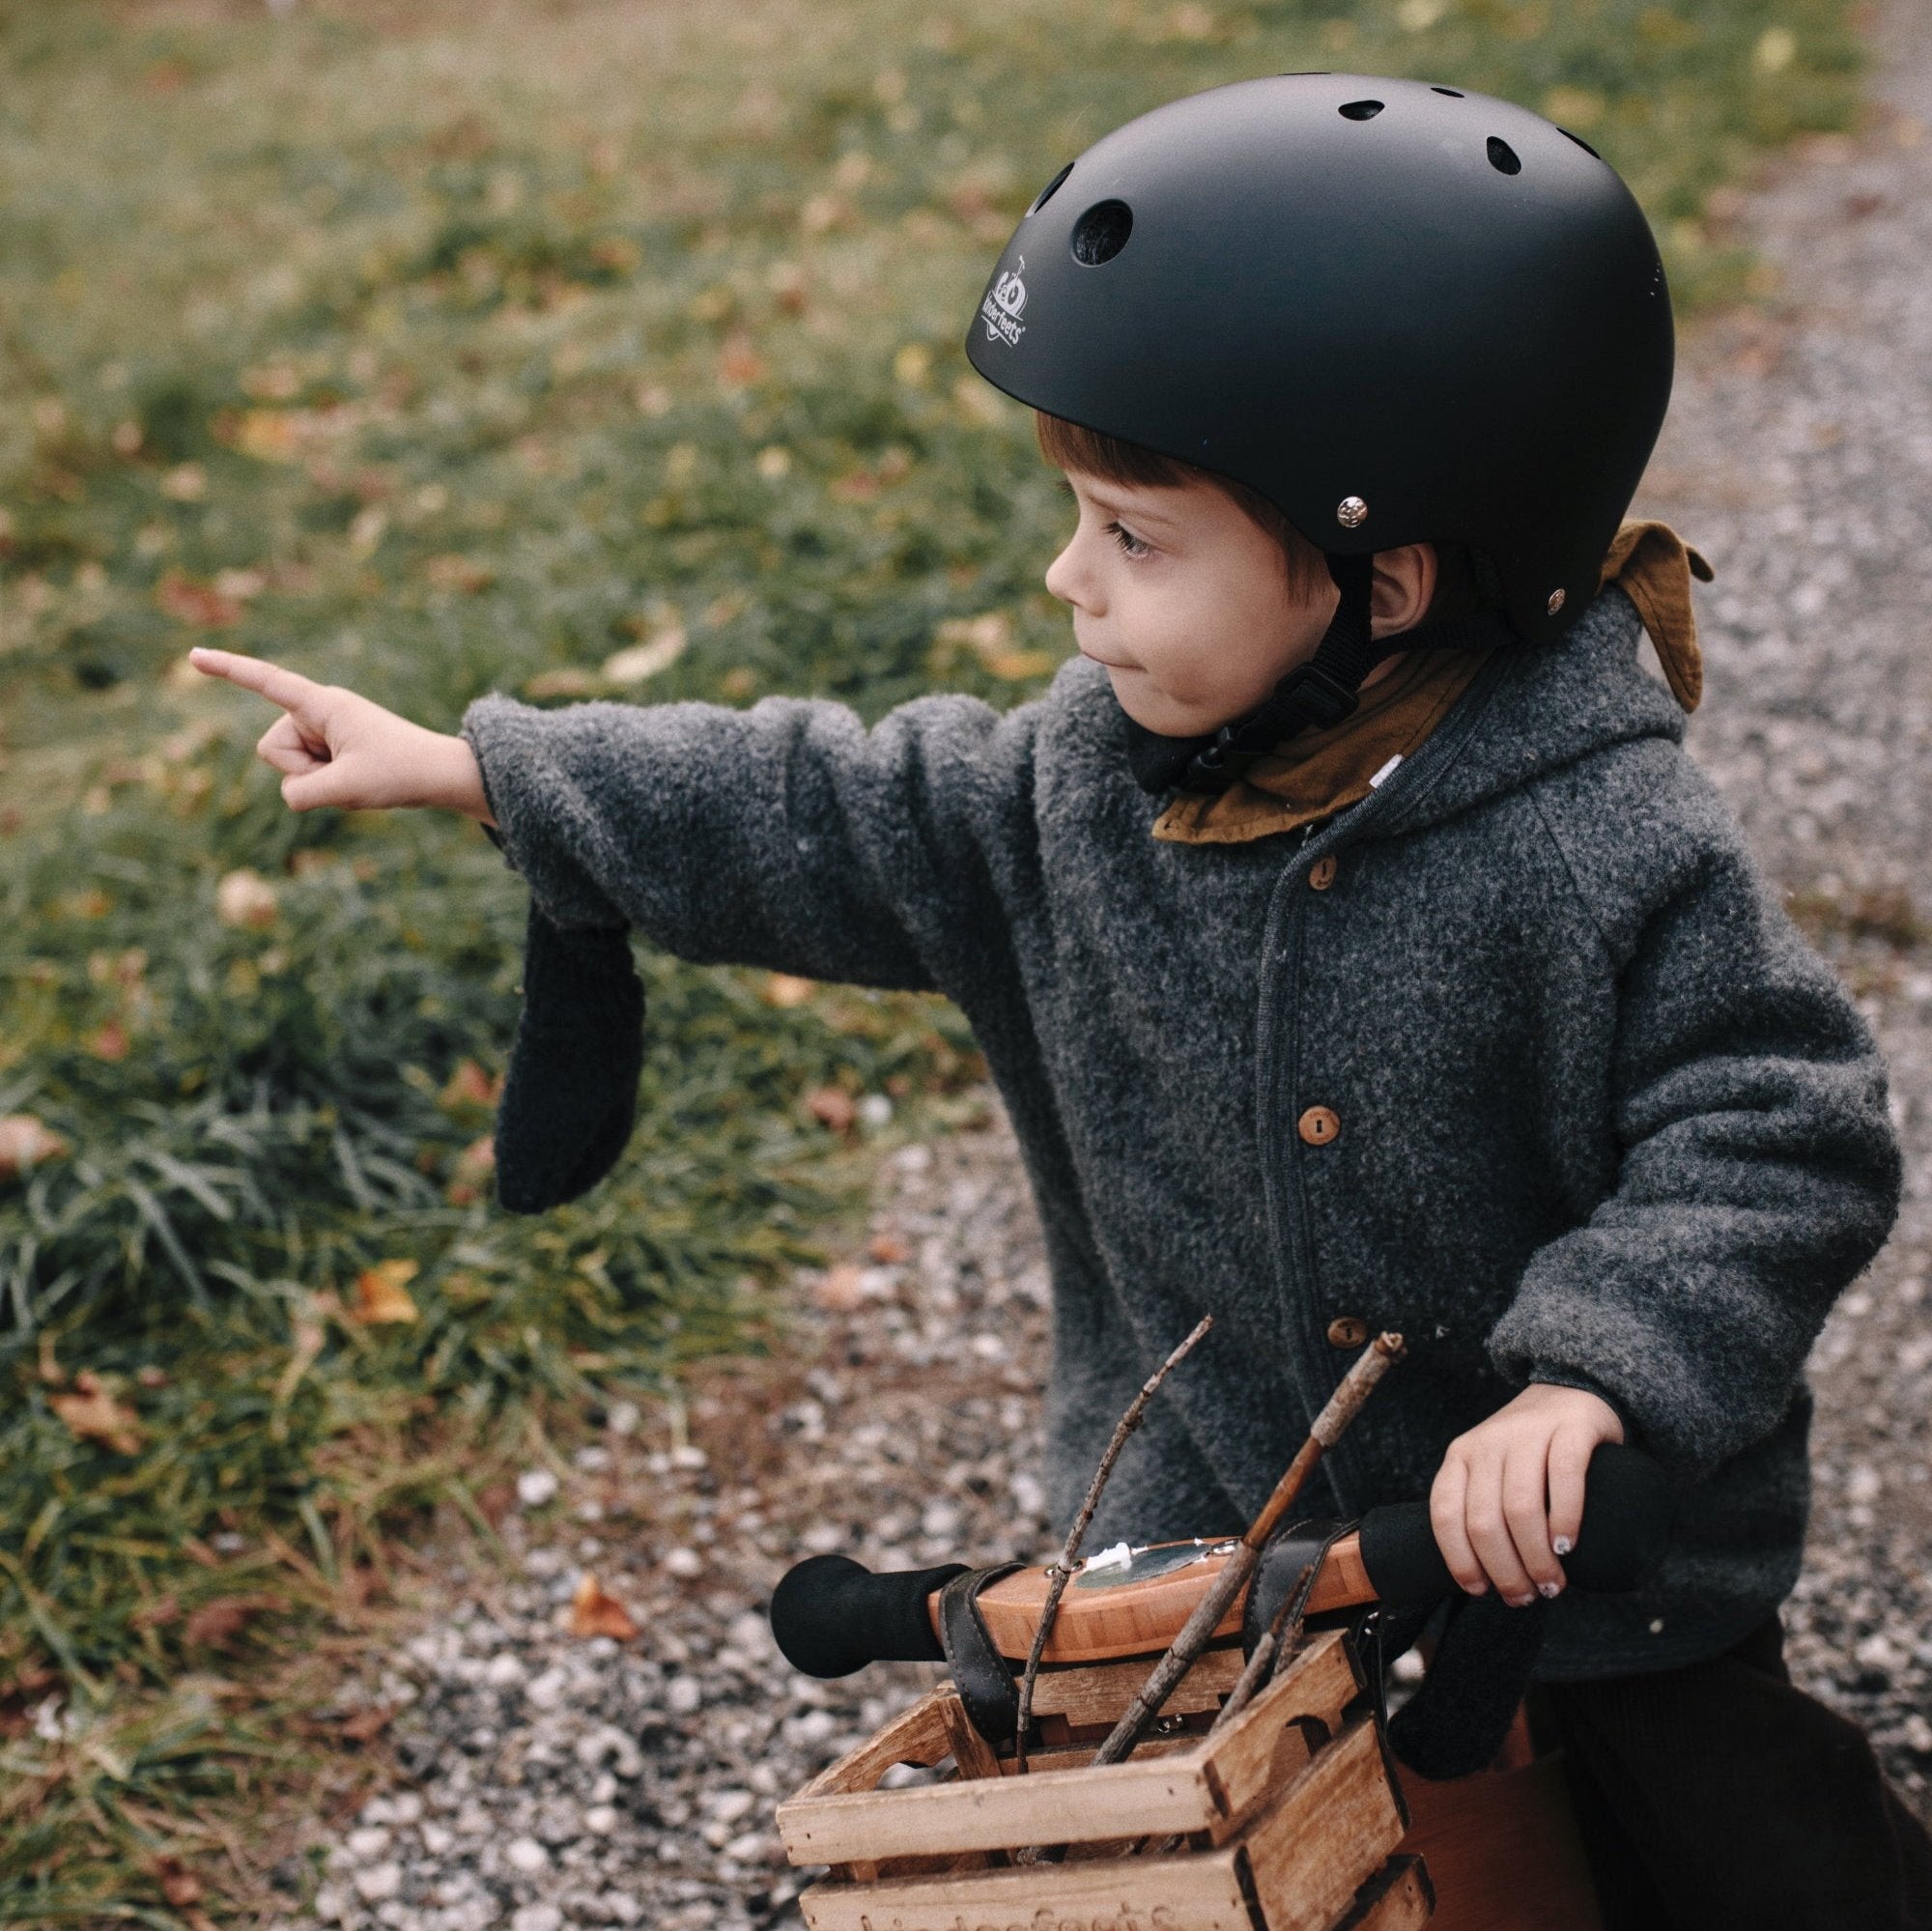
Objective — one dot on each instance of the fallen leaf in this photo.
(595, 1613)
(26, 1141)
(110, 1043)
(464, 574)
(832, 1106)
(1014, 664)
(469, 1086)
(220, 1621)
(888, 1250)
(365, 1725)
(785, 991)
(641, 661)
(98, 1416)
(201, 605)
(179, 1884)
(382, 1293)
(246, 901)
(842, 1290)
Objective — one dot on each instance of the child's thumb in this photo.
(312, 788)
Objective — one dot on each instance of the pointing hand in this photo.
(334, 747)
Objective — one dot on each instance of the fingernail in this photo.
(1480, 1589)
(1563, 1545)
(1547, 1589)
(1521, 1602)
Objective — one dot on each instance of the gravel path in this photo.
(552, 1780)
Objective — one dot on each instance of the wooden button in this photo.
(1319, 1125)
(1321, 874)
(1348, 1330)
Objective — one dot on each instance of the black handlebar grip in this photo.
(1628, 1510)
(831, 1615)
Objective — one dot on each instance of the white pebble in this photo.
(537, 1918)
(726, 1807)
(526, 1855)
(876, 1110)
(367, 1843)
(504, 1671)
(749, 1849)
(600, 1820)
(377, 1881)
(684, 1564)
(684, 1696)
(437, 1838)
(624, 1418)
(536, 1487)
(547, 1690)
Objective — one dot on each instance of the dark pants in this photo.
(1721, 1796)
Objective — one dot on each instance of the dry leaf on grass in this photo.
(842, 1290)
(468, 1085)
(95, 1415)
(26, 1141)
(220, 1621)
(246, 901)
(179, 1884)
(833, 1107)
(784, 990)
(382, 1293)
(595, 1613)
(364, 1725)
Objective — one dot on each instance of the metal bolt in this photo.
(1352, 512)
(1556, 603)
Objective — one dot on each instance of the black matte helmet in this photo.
(1401, 313)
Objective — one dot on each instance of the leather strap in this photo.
(1289, 1561)
(981, 1675)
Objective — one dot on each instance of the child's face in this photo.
(1188, 603)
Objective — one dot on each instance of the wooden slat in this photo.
(1204, 1784)
(1502, 1847)
(1092, 1693)
(1327, 1832)
(922, 1735)
(1140, 1798)
(1261, 1749)
(1398, 1898)
(1189, 1893)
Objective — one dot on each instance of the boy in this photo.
(1351, 939)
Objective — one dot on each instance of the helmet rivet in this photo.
(1352, 512)
(1556, 603)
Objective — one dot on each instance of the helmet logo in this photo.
(1003, 307)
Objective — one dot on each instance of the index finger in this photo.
(287, 688)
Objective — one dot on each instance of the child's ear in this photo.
(1403, 586)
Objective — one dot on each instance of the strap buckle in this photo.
(1321, 696)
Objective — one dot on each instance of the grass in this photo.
(566, 349)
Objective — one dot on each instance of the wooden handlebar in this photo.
(1137, 1617)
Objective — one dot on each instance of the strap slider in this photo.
(1322, 698)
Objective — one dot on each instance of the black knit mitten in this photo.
(571, 1094)
(1455, 1724)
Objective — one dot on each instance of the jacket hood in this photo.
(1535, 709)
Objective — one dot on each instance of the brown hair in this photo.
(1090, 452)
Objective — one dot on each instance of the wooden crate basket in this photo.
(1284, 1820)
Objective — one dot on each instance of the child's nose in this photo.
(1066, 580)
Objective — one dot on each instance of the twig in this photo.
(1341, 1408)
(1060, 1573)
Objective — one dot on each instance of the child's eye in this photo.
(1130, 543)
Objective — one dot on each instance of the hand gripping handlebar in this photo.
(832, 1616)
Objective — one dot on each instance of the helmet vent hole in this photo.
(1502, 158)
(1360, 110)
(1101, 233)
(1453, 93)
(1052, 189)
(1581, 143)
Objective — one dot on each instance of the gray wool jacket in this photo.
(1604, 1119)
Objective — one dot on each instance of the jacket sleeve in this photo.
(1757, 1172)
(787, 835)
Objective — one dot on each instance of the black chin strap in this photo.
(1320, 691)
